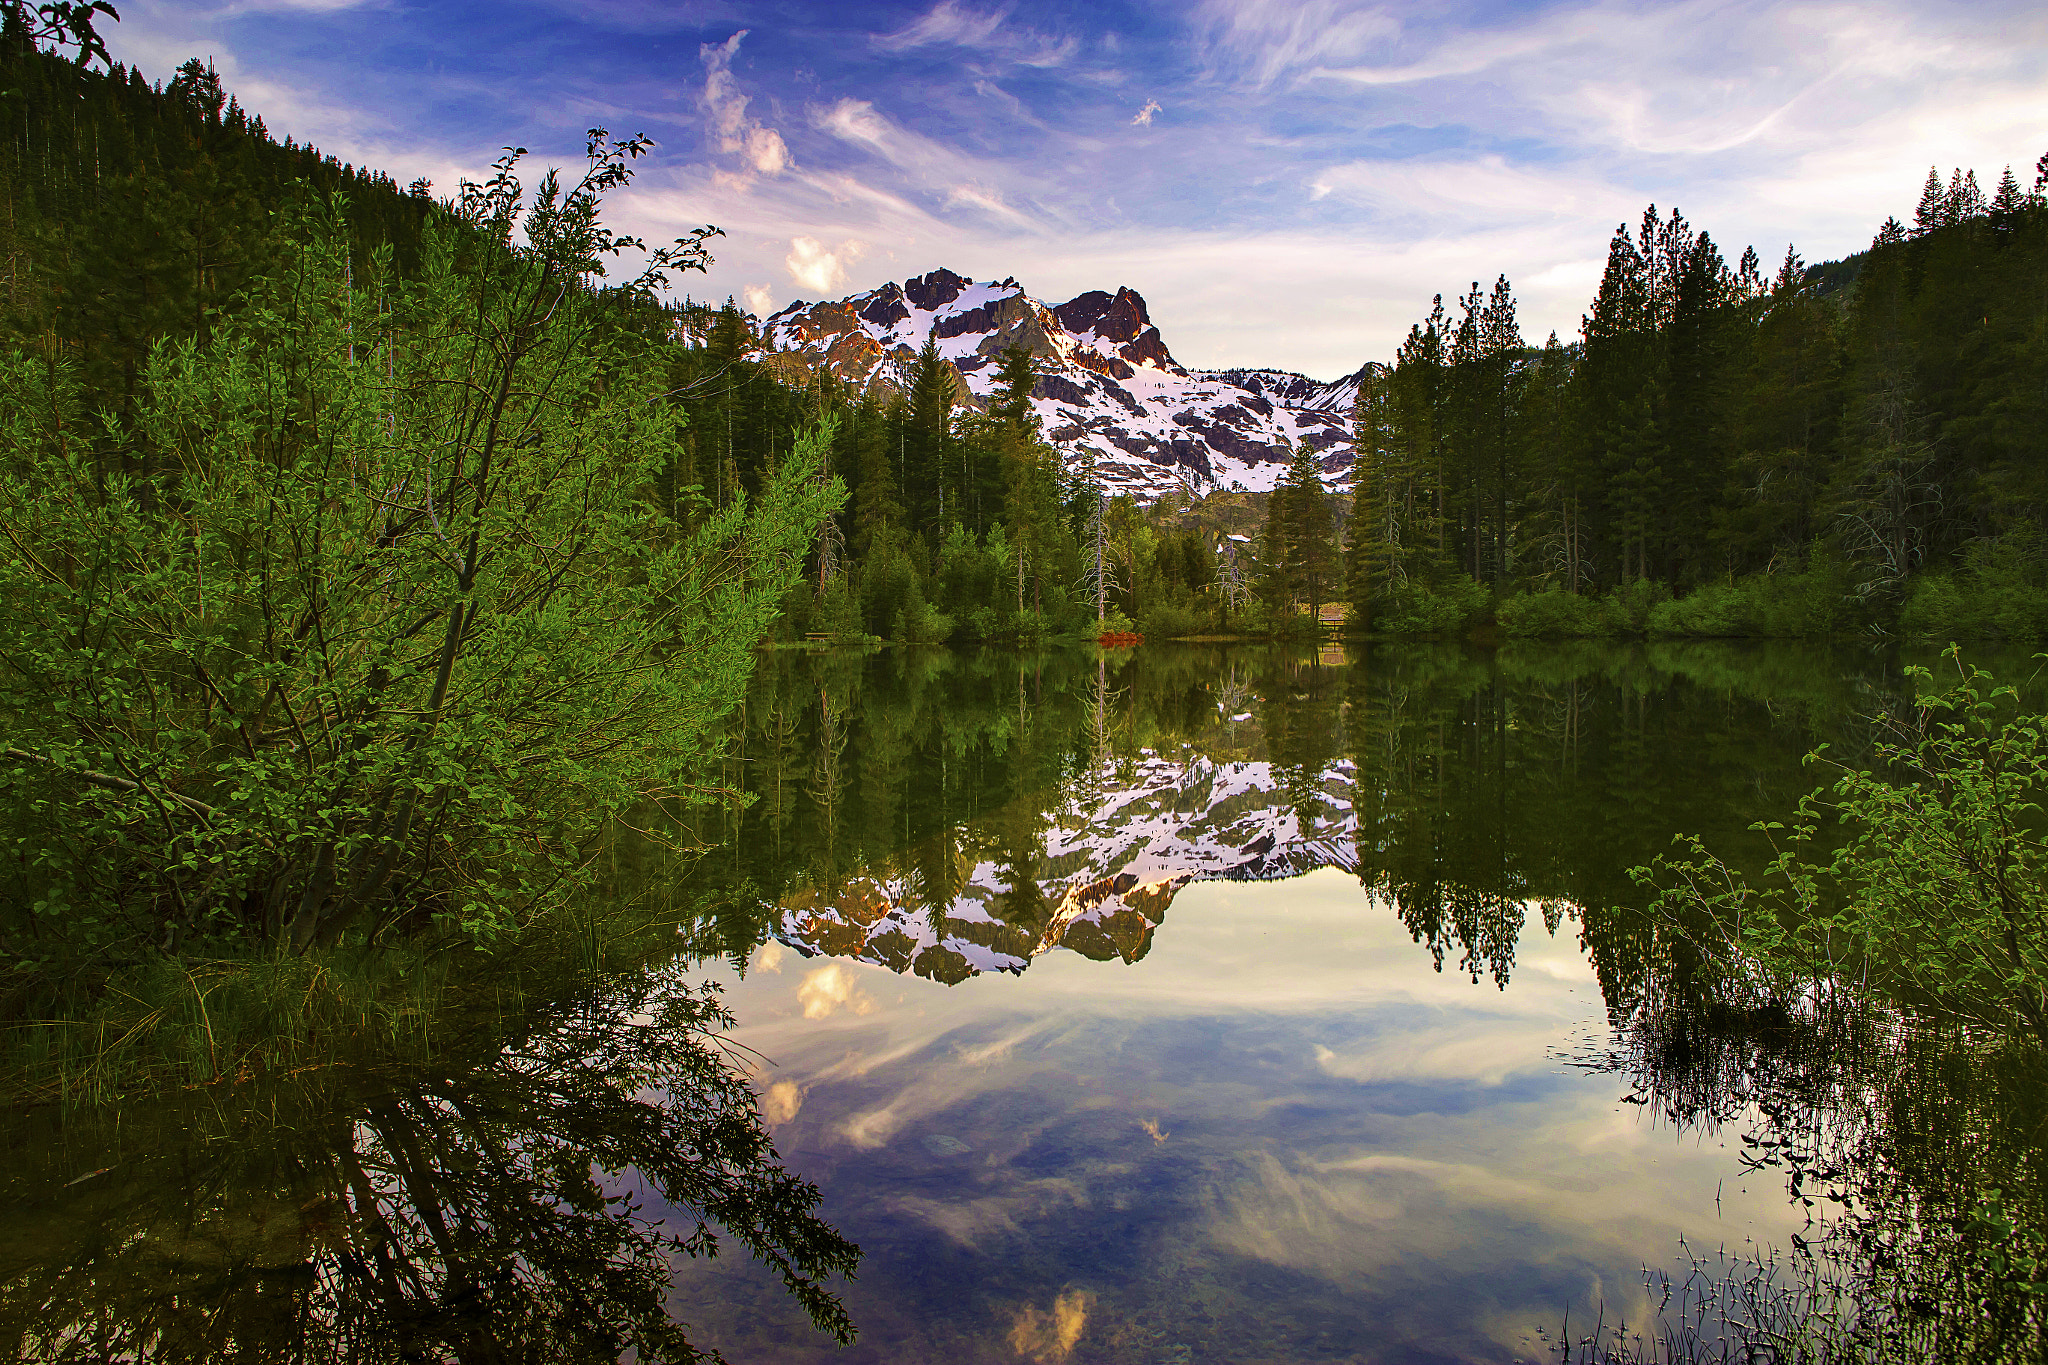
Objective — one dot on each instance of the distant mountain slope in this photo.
(1110, 389)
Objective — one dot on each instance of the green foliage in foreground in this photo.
(382, 606)
(1937, 891)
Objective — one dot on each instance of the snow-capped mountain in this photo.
(1109, 390)
(1114, 857)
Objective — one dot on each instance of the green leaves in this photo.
(1925, 878)
(398, 624)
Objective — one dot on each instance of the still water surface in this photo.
(1192, 1005)
(1222, 1006)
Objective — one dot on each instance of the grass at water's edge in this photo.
(170, 1022)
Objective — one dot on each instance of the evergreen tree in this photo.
(1616, 388)
(877, 507)
(1372, 533)
(2008, 200)
(1016, 376)
(926, 438)
(1555, 469)
(1964, 200)
(1704, 330)
(1930, 213)
(1301, 563)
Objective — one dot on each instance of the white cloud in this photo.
(733, 130)
(816, 269)
(759, 299)
(1143, 118)
(1432, 154)
(990, 90)
(945, 23)
(830, 989)
(988, 200)
(1473, 190)
(1259, 41)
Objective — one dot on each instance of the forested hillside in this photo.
(1846, 448)
(1860, 445)
(349, 540)
(1840, 448)
(136, 213)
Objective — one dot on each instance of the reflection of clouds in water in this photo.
(1000, 1049)
(1337, 1110)
(768, 957)
(989, 1219)
(1455, 1051)
(833, 987)
(781, 1101)
(1303, 1220)
(1050, 1336)
(873, 1127)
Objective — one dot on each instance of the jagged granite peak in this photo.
(934, 291)
(1120, 321)
(1111, 395)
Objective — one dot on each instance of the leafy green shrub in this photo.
(920, 623)
(1171, 620)
(1432, 609)
(394, 618)
(1997, 595)
(838, 610)
(1817, 600)
(1632, 604)
(1555, 614)
(1939, 893)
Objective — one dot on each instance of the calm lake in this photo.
(1214, 1004)
(1186, 1004)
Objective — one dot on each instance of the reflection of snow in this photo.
(1148, 826)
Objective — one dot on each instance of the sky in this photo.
(1287, 184)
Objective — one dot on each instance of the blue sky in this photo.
(1286, 183)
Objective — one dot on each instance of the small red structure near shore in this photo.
(1120, 639)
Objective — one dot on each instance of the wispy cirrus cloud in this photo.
(1326, 167)
(1264, 41)
(949, 24)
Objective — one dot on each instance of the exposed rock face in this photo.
(1118, 320)
(934, 291)
(1110, 393)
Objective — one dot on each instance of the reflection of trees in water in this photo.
(461, 1208)
(1920, 1156)
(1480, 782)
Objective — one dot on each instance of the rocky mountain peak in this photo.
(1110, 394)
(935, 290)
(1120, 321)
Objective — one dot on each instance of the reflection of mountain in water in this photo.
(1113, 858)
